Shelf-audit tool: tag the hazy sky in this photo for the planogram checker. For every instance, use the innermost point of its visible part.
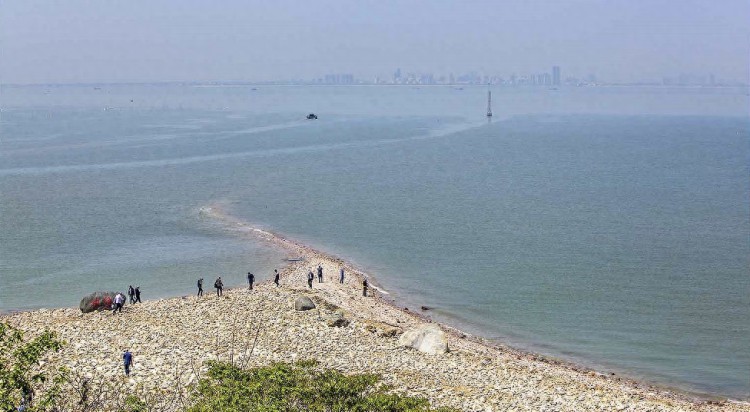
(185, 40)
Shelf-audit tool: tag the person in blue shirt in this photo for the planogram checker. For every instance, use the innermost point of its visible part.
(341, 276)
(127, 358)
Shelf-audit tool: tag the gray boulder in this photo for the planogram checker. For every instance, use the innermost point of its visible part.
(426, 338)
(304, 303)
(98, 301)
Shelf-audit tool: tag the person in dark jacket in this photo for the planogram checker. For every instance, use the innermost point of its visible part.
(276, 277)
(341, 275)
(138, 294)
(250, 280)
(310, 278)
(364, 287)
(131, 294)
(219, 285)
(200, 287)
(320, 274)
(127, 359)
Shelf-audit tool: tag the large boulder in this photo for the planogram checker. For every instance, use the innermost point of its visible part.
(304, 303)
(426, 338)
(98, 301)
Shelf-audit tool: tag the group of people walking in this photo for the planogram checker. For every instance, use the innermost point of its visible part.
(311, 277)
(219, 284)
(134, 294)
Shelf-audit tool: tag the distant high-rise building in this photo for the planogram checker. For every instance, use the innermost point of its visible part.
(397, 76)
(339, 79)
(555, 75)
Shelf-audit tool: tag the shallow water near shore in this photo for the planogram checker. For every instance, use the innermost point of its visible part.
(608, 227)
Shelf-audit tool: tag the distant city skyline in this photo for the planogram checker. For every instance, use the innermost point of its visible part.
(78, 41)
(554, 77)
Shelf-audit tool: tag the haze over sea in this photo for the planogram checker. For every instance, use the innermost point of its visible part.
(606, 226)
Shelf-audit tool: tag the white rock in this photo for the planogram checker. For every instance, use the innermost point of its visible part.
(426, 338)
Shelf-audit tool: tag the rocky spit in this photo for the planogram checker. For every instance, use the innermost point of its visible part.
(171, 340)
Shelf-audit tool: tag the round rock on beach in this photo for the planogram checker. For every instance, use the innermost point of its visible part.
(303, 303)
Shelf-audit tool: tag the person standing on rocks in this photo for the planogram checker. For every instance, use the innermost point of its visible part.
(131, 294)
(320, 274)
(219, 285)
(84, 391)
(119, 301)
(127, 359)
(276, 277)
(310, 278)
(200, 287)
(250, 280)
(341, 275)
(27, 396)
(364, 288)
(138, 294)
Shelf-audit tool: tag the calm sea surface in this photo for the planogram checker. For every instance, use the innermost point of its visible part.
(607, 226)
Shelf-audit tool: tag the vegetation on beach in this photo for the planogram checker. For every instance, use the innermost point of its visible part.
(300, 386)
(19, 376)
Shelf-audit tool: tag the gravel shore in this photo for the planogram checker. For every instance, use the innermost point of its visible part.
(171, 339)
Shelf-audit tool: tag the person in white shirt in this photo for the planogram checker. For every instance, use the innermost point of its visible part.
(119, 300)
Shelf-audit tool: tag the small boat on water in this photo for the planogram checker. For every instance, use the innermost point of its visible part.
(312, 116)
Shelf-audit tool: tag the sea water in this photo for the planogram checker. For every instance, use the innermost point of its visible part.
(606, 226)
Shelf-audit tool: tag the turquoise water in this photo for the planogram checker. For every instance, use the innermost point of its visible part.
(605, 226)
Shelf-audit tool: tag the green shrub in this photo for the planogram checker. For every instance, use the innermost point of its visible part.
(18, 358)
(301, 386)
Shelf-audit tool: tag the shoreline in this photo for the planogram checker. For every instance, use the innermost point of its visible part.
(216, 211)
(487, 361)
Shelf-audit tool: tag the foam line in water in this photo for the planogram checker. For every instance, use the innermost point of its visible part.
(23, 171)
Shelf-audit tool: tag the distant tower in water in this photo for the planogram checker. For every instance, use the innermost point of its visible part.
(489, 102)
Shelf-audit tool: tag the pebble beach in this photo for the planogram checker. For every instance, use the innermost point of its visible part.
(172, 340)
